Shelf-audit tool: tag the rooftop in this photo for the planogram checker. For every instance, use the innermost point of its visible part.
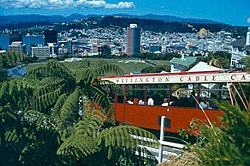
(187, 61)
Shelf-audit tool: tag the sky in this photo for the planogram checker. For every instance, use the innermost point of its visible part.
(233, 12)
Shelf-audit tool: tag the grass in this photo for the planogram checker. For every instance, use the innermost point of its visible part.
(126, 65)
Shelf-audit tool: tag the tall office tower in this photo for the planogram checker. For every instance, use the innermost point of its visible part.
(50, 36)
(69, 46)
(133, 39)
(248, 37)
(15, 37)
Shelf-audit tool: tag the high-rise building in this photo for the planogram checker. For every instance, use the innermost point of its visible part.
(15, 37)
(50, 36)
(133, 39)
(17, 47)
(105, 50)
(41, 52)
(248, 37)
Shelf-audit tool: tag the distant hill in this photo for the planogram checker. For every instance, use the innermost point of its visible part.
(168, 18)
(12, 19)
(148, 22)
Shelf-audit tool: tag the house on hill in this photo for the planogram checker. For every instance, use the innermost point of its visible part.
(181, 64)
(240, 50)
(203, 66)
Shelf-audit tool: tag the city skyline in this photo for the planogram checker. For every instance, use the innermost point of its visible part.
(224, 11)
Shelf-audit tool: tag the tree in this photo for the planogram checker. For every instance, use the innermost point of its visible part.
(11, 59)
(225, 144)
(80, 128)
(157, 69)
(3, 75)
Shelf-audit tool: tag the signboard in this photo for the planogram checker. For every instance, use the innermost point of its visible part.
(180, 78)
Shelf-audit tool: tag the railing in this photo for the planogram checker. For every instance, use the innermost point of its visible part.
(166, 149)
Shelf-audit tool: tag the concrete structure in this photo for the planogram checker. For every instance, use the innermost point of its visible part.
(236, 56)
(53, 49)
(133, 40)
(239, 51)
(41, 52)
(248, 37)
(105, 50)
(203, 66)
(50, 36)
(17, 47)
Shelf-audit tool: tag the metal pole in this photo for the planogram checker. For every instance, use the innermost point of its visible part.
(161, 138)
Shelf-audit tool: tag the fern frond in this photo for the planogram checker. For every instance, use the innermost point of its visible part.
(78, 146)
(90, 123)
(106, 69)
(11, 136)
(56, 109)
(124, 136)
(97, 95)
(57, 69)
(70, 108)
(44, 102)
(40, 120)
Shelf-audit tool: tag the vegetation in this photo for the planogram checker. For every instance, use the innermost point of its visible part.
(11, 59)
(218, 59)
(153, 56)
(247, 62)
(226, 144)
(58, 117)
(156, 69)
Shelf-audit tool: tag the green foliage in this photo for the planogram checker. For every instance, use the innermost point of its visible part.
(121, 136)
(227, 144)
(156, 69)
(219, 59)
(246, 61)
(57, 117)
(11, 59)
(153, 56)
(3, 75)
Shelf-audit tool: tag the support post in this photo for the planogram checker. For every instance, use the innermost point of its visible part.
(162, 132)
(169, 94)
(145, 94)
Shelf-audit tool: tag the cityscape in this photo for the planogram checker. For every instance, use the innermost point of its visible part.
(110, 82)
(45, 42)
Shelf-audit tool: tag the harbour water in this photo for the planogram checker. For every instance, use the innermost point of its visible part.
(4, 41)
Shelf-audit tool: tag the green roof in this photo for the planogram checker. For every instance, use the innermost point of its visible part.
(188, 60)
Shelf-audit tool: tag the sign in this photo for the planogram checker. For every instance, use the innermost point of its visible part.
(180, 78)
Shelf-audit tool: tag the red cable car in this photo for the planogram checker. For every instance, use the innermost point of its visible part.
(177, 96)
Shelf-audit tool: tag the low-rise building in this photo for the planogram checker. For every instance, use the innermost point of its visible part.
(17, 47)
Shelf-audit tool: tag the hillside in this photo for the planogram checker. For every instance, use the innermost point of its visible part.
(124, 21)
(13, 19)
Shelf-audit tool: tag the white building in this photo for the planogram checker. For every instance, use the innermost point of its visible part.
(41, 52)
(248, 37)
(17, 47)
(236, 56)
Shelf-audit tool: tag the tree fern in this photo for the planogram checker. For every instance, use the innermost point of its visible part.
(78, 146)
(69, 110)
(121, 136)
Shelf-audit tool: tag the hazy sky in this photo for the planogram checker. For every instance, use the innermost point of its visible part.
(234, 12)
